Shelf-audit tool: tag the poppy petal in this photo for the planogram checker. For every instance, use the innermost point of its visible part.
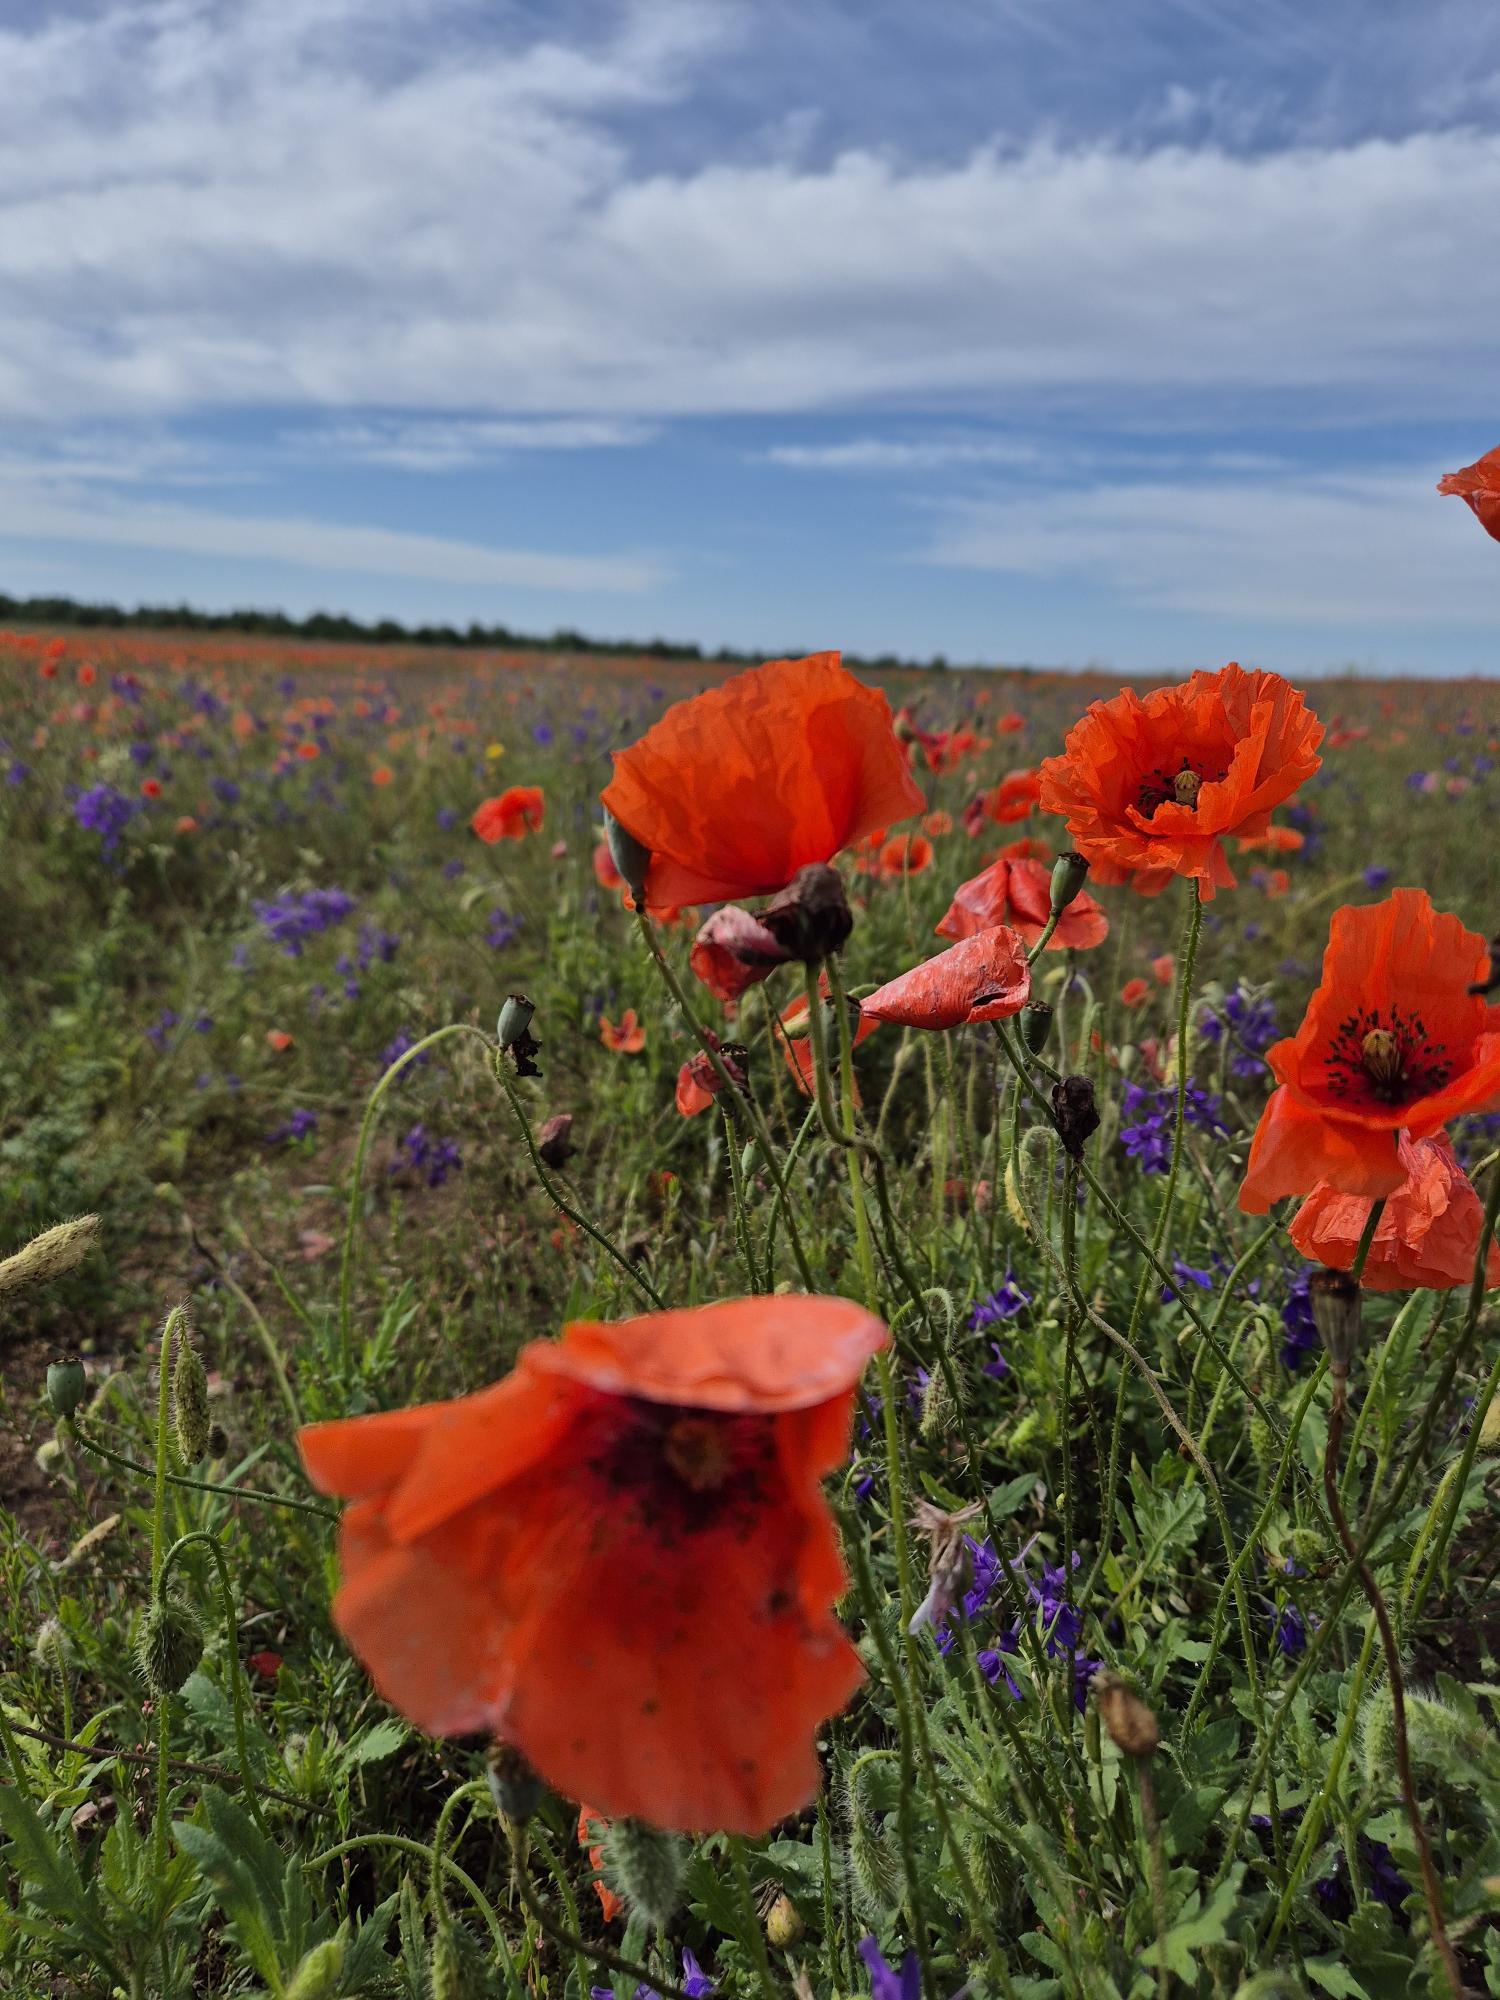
(1294, 1148)
(983, 978)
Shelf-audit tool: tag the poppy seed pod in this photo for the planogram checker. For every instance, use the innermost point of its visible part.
(66, 1383)
(1069, 873)
(645, 1866)
(811, 918)
(515, 1018)
(1131, 1725)
(630, 857)
(169, 1644)
(1076, 1113)
(514, 1786)
(1036, 1025)
(1334, 1297)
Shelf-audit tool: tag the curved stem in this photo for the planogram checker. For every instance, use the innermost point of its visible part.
(402, 1845)
(600, 1954)
(93, 1446)
(232, 1634)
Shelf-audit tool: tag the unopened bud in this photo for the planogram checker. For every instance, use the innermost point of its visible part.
(811, 918)
(515, 1018)
(1334, 1297)
(189, 1401)
(1131, 1725)
(52, 1649)
(169, 1644)
(1036, 1025)
(66, 1383)
(1076, 1113)
(1489, 1428)
(644, 1865)
(629, 856)
(783, 1924)
(319, 1975)
(554, 1139)
(514, 1786)
(218, 1441)
(1069, 873)
(47, 1256)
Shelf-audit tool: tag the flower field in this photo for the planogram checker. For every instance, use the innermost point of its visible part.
(806, 1330)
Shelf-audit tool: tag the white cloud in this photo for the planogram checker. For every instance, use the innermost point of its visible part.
(873, 454)
(439, 444)
(298, 203)
(27, 515)
(1356, 552)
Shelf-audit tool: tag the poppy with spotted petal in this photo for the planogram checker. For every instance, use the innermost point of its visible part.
(1393, 1040)
(619, 1560)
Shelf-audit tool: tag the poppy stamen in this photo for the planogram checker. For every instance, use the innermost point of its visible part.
(1391, 1060)
(1381, 1055)
(1186, 787)
(697, 1449)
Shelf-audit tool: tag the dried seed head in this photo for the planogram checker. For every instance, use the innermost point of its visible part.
(811, 918)
(950, 1561)
(1334, 1297)
(47, 1256)
(1077, 1114)
(1131, 1725)
(169, 1644)
(554, 1139)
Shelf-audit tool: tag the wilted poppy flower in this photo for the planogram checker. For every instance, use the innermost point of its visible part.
(1161, 783)
(1392, 1040)
(798, 1043)
(618, 1560)
(734, 951)
(698, 1082)
(515, 813)
(626, 1037)
(734, 791)
(984, 978)
(1019, 893)
(1479, 484)
(1428, 1233)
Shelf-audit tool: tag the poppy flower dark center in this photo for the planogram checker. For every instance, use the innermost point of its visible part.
(1385, 1056)
(1180, 787)
(698, 1452)
(682, 1471)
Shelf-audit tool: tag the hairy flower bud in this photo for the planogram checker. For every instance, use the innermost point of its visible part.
(169, 1644)
(811, 918)
(515, 1018)
(644, 1865)
(66, 1383)
(554, 1139)
(1036, 1025)
(319, 1974)
(629, 856)
(514, 1786)
(1489, 1427)
(1131, 1725)
(47, 1256)
(1076, 1113)
(1334, 1297)
(1069, 873)
(189, 1400)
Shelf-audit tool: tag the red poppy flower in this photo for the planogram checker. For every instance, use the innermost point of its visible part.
(605, 872)
(1479, 484)
(734, 791)
(1164, 969)
(984, 978)
(1428, 1233)
(151, 788)
(626, 1036)
(592, 1827)
(937, 824)
(515, 813)
(381, 775)
(1009, 724)
(798, 1044)
(1159, 784)
(1134, 993)
(1392, 1040)
(619, 1559)
(698, 1081)
(1015, 797)
(907, 854)
(1019, 893)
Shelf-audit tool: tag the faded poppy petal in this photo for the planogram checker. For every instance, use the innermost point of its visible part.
(734, 951)
(735, 790)
(1479, 484)
(1428, 1233)
(619, 1559)
(1161, 782)
(984, 978)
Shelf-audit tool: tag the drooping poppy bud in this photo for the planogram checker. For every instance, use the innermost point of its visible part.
(1131, 1725)
(554, 1139)
(169, 1644)
(811, 918)
(47, 1256)
(514, 1786)
(1335, 1300)
(645, 1865)
(1077, 1114)
(629, 855)
(189, 1401)
(1069, 873)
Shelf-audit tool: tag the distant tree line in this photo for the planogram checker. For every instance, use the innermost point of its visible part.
(337, 626)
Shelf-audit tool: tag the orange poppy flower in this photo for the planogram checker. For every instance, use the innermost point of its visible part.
(1015, 797)
(698, 1081)
(592, 1828)
(1019, 893)
(279, 1040)
(735, 790)
(619, 1559)
(515, 813)
(626, 1037)
(1479, 484)
(1428, 1233)
(1009, 724)
(381, 775)
(1275, 840)
(1159, 784)
(907, 854)
(1392, 1040)
(983, 978)
(307, 752)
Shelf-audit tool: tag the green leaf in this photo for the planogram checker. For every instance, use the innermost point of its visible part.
(380, 1741)
(1335, 1977)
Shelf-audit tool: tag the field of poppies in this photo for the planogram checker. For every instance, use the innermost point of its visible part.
(798, 1331)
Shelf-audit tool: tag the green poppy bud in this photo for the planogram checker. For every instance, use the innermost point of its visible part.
(644, 1865)
(47, 1256)
(1069, 873)
(1036, 1025)
(169, 1644)
(66, 1383)
(319, 1974)
(514, 1786)
(189, 1401)
(629, 856)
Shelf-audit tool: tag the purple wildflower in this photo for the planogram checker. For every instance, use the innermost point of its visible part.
(1148, 1140)
(298, 1126)
(504, 929)
(291, 920)
(998, 1305)
(1299, 1329)
(103, 810)
(885, 1982)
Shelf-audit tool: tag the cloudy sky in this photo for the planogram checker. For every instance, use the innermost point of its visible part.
(1123, 332)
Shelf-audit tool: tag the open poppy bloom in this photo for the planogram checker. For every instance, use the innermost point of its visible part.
(797, 1042)
(733, 791)
(1160, 784)
(592, 1827)
(511, 816)
(984, 978)
(1428, 1232)
(1019, 893)
(1479, 484)
(618, 1559)
(1392, 1041)
(1015, 797)
(626, 1036)
(906, 854)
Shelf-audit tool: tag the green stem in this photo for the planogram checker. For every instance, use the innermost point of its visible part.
(93, 1446)
(403, 1845)
(236, 1672)
(750, 1920)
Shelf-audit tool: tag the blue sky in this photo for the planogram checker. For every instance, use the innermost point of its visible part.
(1132, 334)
